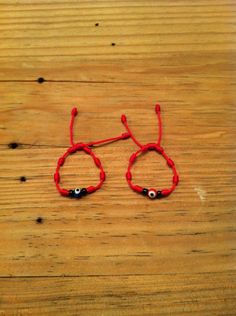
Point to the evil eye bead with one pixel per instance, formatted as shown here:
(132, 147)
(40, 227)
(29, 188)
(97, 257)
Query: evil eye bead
(152, 193)
(77, 193)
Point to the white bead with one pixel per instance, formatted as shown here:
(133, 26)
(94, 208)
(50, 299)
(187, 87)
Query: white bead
(152, 194)
(77, 191)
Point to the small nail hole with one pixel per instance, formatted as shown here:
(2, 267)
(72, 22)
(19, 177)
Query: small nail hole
(13, 145)
(39, 220)
(41, 80)
(96, 24)
(22, 179)
(113, 44)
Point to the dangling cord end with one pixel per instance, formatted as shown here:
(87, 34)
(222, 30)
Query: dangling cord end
(112, 139)
(158, 112)
(74, 112)
(124, 121)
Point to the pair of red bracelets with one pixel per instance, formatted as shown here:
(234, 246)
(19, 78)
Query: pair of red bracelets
(86, 147)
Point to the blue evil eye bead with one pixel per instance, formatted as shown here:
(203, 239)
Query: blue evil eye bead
(77, 193)
(152, 193)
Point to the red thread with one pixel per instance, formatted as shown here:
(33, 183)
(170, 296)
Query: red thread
(165, 192)
(77, 193)
(128, 175)
(132, 158)
(61, 161)
(56, 177)
(175, 179)
(97, 162)
(137, 188)
(124, 121)
(151, 193)
(64, 192)
(91, 189)
(102, 175)
(170, 162)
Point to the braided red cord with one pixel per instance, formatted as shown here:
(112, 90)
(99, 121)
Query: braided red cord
(152, 193)
(86, 148)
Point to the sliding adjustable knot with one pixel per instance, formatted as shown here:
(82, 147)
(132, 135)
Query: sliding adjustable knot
(152, 193)
(151, 146)
(74, 148)
(125, 135)
(80, 146)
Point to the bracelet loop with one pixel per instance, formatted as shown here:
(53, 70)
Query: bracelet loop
(151, 193)
(78, 192)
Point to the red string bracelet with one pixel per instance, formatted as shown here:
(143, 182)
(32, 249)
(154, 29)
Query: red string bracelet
(86, 147)
(151, 193)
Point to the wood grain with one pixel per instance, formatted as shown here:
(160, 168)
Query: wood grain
(116, 253)
(117, 295)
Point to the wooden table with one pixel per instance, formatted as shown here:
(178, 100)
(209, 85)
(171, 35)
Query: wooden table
(116, 252)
